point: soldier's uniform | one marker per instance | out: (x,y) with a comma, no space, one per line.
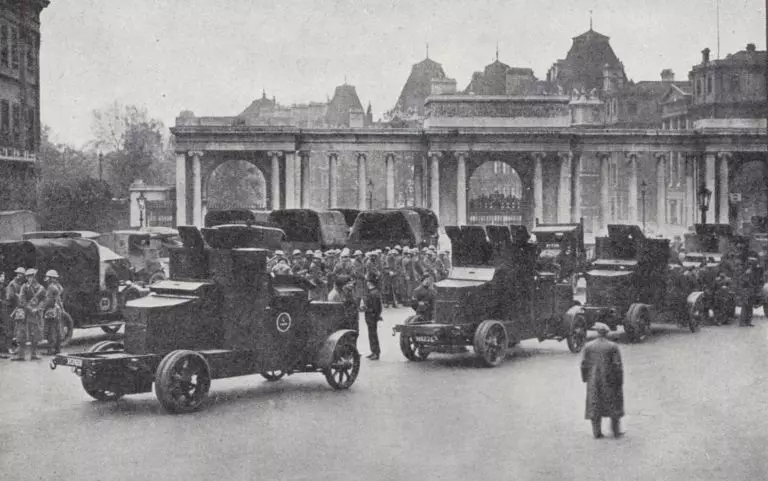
(409,274)
(10,304)
(388,295)
(52,308)
(30,297)
(358,276)
(423,300)
(281,268)
(272,262)
(399,276)
(750,284)
(317,278)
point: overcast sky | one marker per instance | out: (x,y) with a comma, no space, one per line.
(214,56)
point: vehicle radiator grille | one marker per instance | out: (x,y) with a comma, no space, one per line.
(446,312)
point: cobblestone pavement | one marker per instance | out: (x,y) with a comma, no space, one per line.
(696,410)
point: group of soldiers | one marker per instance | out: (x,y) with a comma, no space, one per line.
(30,312)
(397,271)
(735,279)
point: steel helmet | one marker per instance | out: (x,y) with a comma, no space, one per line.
(31,272)
(20,270)
(52,273)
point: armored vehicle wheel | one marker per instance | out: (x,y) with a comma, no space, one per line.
(638,322)
(99,393)
(182,381)
(491,342)
(412,350)
(110,329)
(272,376)
(697,310)
(576,323)
(344,367)
(67,328)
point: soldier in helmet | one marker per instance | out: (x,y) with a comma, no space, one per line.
(52,308)
(272,262)
(30,297)
(281,268)
(423,298)
(11,303)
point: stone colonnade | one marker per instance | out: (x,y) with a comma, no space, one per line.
(441,180)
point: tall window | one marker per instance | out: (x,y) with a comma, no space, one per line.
(4,43)
(709,85)
(31,64)
(16,121)
(31,137)
(14,48)
(5,120)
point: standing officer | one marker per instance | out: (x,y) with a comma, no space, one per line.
(602,370)
(389,284)
(30,297)
(750,288)
(373,316)
(52,307)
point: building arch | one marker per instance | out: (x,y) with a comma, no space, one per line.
(499,189)
(236,182)
(748,177)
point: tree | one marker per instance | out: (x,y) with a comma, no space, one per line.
(63,163)
(74,205)
(237,183)
(134,146)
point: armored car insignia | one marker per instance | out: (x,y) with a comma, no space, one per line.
(283,322)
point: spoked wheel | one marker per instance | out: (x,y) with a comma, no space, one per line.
(97,390)
(577,329)
(67,327)
(344,367)
(273,376)
(182,381)
(412,350)
(491,342)
(698,311)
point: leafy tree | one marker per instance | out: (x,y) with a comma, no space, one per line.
(134,146)
(237,184)
(74,205)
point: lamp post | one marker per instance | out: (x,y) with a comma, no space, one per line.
(703,197)
(141,202)
(643,189)
(370,194)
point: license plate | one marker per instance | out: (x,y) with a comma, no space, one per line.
(74,362)
(426,339)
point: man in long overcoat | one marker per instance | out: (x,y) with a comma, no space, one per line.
(603,372)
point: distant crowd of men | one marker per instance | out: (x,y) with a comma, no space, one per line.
(30,312)
(368,281)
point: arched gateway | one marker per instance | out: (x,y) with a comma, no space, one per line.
(606,176)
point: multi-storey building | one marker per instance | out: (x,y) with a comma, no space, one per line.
(19,101)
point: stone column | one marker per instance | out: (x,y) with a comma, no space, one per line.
(632,165)
(197,189)
(434,182)
(181,188)
(275,181)
(305,179)
(722,197)
(333,190)
(290,180)
(389,166)
(661,190)
(418,180)
(605,183)
(461,188)
(690,190)
(538,187)
(709,179)
(564,190)
(576,210)
(362,181)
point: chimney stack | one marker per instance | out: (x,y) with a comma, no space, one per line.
(750,47)
(667,75)
(705,55)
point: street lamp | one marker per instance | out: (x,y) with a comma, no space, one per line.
(703,196)
(643,189)
(141,201)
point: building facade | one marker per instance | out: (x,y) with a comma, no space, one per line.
(19,102)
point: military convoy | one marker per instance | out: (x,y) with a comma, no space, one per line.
(221,314)
(494,298)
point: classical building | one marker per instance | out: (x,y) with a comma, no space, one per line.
(19,102)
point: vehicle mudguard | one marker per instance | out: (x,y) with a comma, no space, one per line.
(324,355)
(569,317)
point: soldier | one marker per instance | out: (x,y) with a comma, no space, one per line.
(750,284)
(52,308)
(423,298)
(602,370)
(281,268)
(373,316)
(409,273)
(31,295)
(297,263)
(399,276)
(358,276)
(272,262)
(445,260)
(343,291)
(388,281)
(372,265)
(316,277)
(11,302)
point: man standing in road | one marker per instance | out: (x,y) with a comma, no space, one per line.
(29,300)
(51,308)
(11,302)
(373,315)
(602,370)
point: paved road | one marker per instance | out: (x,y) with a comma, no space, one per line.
(696,411)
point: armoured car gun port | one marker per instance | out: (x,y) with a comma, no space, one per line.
(220,315)
(494,298)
